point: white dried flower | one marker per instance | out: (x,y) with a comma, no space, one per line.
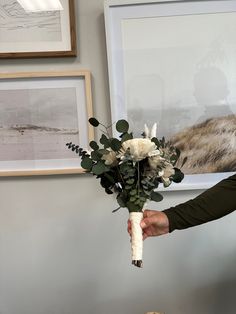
(168,171)
(146,131)
(139,148)
(110,158)
(153,132)
(155,161)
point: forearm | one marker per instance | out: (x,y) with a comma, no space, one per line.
(212,204)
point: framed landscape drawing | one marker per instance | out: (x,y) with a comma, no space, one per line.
(39,114)
(28,34)
(173,62)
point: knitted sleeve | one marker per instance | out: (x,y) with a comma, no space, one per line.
(212,204)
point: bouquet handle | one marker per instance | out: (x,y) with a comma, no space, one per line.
(136,238)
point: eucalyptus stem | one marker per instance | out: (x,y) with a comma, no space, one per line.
(121,177)
(107,128)
(105,132)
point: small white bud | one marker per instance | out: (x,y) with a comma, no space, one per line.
(146,131)
(153,131)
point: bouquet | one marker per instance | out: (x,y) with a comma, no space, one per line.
(132,168)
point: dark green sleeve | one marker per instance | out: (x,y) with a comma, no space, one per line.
(212,204)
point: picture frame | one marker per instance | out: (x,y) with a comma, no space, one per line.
(156,50)
(26,34)
(40,113)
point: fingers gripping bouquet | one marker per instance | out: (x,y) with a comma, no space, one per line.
(132,168)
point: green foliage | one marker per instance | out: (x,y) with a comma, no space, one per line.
(94,122)
(126,136)
(105,141)
(156,197)
(99,168)
(184,161)
(115,144)
(134,182)
(156,141)
(94,145)
(122,126)
(87,163)
(178,176)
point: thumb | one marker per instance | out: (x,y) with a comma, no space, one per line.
(146,222)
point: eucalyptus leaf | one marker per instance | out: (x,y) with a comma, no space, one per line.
(178,176)
(108,191)
(105,141)
(156,197)
(87,163)
(126,136)
(115,144)
(94,145)
(122,126)
(115,210)
(94,122)
(99,168)
(121,200)
(184,161)
(133,207)
(128,187)
(156,141)
(95,155)
(137,202)
(109,178)
(143,199)
(177,152)
(173,159)
(130,181)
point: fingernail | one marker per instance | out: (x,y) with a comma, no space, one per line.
(142,224)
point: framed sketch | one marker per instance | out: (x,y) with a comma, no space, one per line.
(39,114)
(173,62)
(28,34)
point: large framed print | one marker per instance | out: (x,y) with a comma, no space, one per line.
(173,62)
(29,33)
(39,114)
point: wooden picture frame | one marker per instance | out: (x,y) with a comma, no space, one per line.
(39,114)
(165,57)
(37,34)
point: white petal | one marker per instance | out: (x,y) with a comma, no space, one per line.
(155,152)
(146,131)
(154,131)
(161,173)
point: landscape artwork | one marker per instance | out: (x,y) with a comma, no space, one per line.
(17,24)
(36,124)
(28,34)
(180,72)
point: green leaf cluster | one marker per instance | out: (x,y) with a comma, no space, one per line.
(132,182)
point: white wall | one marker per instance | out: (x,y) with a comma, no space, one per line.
(62,251)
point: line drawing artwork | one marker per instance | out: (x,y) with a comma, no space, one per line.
(17,25)
(35,124)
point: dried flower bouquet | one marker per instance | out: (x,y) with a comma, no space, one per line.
(132,168)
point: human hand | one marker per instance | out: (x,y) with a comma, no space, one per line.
(154,223)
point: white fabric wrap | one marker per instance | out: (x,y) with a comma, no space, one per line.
(136,235)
